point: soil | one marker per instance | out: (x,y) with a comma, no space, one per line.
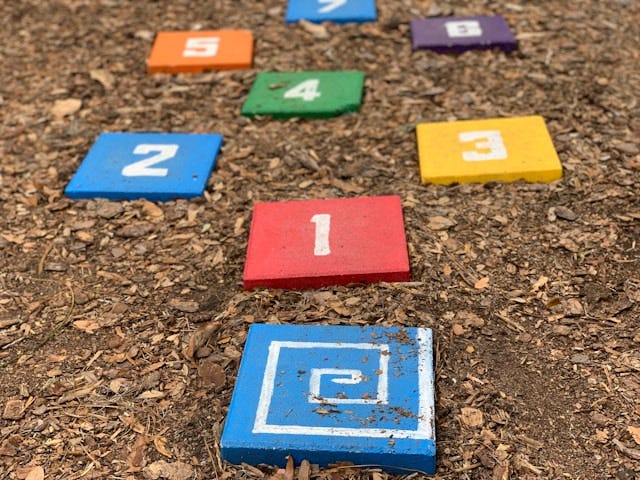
(122,323)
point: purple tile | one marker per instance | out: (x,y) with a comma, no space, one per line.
(458,34)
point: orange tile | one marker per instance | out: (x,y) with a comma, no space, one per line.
(197,51)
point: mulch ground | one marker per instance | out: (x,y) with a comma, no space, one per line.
(122,323)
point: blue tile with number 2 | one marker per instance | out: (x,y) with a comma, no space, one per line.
(155,166)
(338,11)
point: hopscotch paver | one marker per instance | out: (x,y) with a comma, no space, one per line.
(201,50)
(458,34)
(155,166)
(315,243)
(334,393)
(305,94)
(502,149)
(338,11)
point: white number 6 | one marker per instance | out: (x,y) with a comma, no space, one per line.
(201,47)
(323,225)
(142,167)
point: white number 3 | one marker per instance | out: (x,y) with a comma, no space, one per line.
(492,144)
(143,168)
(307,90)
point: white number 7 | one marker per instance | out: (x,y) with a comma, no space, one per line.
(142,167)
(330,5)
(323,225)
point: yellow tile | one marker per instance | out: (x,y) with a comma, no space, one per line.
(499,149)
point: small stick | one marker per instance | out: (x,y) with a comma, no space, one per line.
(47,252)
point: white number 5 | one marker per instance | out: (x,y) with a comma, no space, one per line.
(307,90)
(493,144)
(201,47)
(143,168)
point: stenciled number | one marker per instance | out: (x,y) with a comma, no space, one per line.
(491,142)
(463,28)
(330,5)
(201,47)
(143,168)
(307,90)
(323,226)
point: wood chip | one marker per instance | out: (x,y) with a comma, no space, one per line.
(13,410)
(304,471)
(136,230)
(168,471)
(200,337)
(289,469)
(635,433)
(185,306)
(317,30)
(106,78)
(161,444)
(629,452)
(8,322)
(440,223)
(63,108)
(471,417)
(36,473)
(212,374)
(109,209)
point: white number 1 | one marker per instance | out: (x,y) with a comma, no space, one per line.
(143,168)
(323,225)
(307,90)
(330,5)
(201,47)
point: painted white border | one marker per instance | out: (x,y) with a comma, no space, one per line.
(426,410)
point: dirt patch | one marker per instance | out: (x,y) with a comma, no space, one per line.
(122,323)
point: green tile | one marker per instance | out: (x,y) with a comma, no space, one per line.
(305,94)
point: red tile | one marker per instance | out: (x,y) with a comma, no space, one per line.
(315,243)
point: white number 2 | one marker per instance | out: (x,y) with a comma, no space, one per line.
(323,225)
(201,47)
(330,5)
(143,168)
(493,144)
(307,90)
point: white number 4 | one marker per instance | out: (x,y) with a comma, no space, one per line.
(143,168)
(307,90)
(201,47)
(492,144)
